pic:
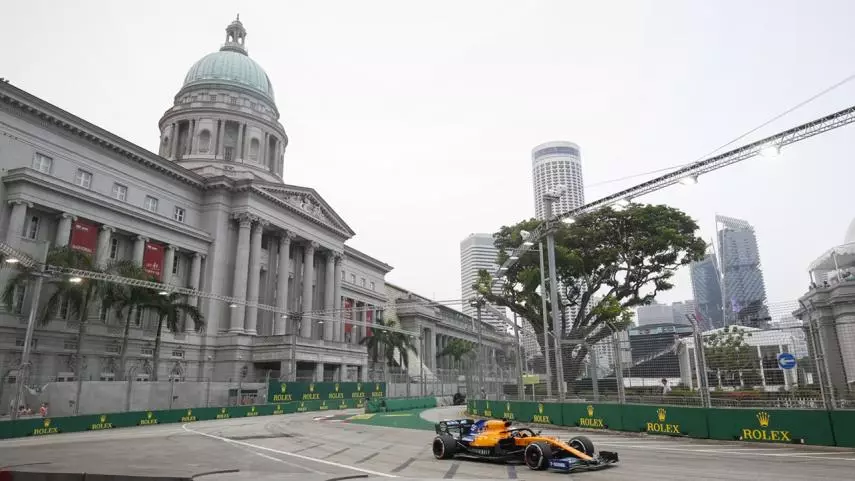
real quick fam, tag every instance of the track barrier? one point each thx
(816, 427)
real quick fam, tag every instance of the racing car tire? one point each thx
(537, 456)
(582, 443)
(444, 446)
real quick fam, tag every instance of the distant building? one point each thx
(744, 287)
(665, 314)
(557, 164)
(706, 288)
(477, 252)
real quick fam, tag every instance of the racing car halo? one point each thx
(495, 440)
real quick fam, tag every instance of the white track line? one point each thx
(286, 453)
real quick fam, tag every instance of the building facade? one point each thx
(209, 211)
(554, 165)
(706, 288)
(744, 292)
(477, 252)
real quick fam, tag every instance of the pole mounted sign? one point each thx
(786, 360)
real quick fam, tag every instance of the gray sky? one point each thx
(415, 120)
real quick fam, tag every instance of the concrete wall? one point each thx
(104, 397)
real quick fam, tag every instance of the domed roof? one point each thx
(850, 233)
(230, 68)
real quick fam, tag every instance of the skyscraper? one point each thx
(744, 293)
(556, 164)
(706, 288)
(477, 252)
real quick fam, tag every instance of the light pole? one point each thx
(545, 327)
(519, 359)
(24, 370)
(478, 303)
(548, 199)
(296, 323)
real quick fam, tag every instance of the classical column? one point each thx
(103, 250)
(63, 232)
(308, 280)
(254, 277)
(337, 299)
(239, 146)
(168, 264)
(245, 142)
(173, 151)
(139, 249)
(432, 349)
(280, 322)
(221, 140)
(262, 151)
(241, 271)
(195, 275)
(330, 327)
(17, 221)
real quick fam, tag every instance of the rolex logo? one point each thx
(508, 407)
(763, 418)
(590, 411)
(253, 409)
(189, 412)
(488, 404)
(336, 387)
(222, 410)
(283, 387)
(149, 415)
(660, 413)
(377, 387)
(359, 386)
(103, 418)
(540, 408)
(311, 388)
(47, 423)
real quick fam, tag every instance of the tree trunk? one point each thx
(123, 359)
(78, 357)
(156, 358)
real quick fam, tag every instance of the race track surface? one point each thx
(300, 447)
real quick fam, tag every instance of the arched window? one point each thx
(204, 142)
(254, 145)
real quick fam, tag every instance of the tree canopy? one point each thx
(607, 262)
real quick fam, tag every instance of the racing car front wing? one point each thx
(603, 460)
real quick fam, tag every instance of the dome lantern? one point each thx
(235, 37)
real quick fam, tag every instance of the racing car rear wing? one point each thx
(454, 426)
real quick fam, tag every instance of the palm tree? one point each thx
(170, 308)
(458, 349)
(123, 299)
(403, 343)
(79, 294)
(378, 343)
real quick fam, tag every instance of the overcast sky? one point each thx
(416, 120)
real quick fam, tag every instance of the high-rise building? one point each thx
(477, 252)
(706, 288)
(556, 164)
(744, 293)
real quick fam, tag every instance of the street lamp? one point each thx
(478, 303)
(296, 323)
(23, 371)
(548, 199)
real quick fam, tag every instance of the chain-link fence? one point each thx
(778, 361)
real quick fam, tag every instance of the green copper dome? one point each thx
(230, 68)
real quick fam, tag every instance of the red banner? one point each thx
(153, 259)
(348, 315)
(369, 319)
(84, 237)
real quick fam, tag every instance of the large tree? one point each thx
(169, 308)
(731, 358)
(607, 262)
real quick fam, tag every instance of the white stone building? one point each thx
(209, 211)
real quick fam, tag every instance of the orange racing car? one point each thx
(495, 440)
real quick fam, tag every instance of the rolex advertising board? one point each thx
(666, 420)
(281, 391)
(771, 425)
(593, 416)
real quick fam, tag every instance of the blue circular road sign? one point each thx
(786, 360)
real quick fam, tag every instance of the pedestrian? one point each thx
(43, 410)
(665, 388)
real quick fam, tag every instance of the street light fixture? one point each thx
(12, 260)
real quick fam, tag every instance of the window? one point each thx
(373, 287)
(120, 192)
(176, 262)
(114, 248)
(362, 281)
(83, 179)
(353, 278)
(102, 314)
(43, 163)
(213, 98)
(32, 232)
(227, 153)
(235, 101)
(179, 214)
(343, 275)
(150, 204)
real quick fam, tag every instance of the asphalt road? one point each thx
(302, 448)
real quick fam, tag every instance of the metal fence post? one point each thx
(621, 389)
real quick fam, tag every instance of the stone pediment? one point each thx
(308, 203)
